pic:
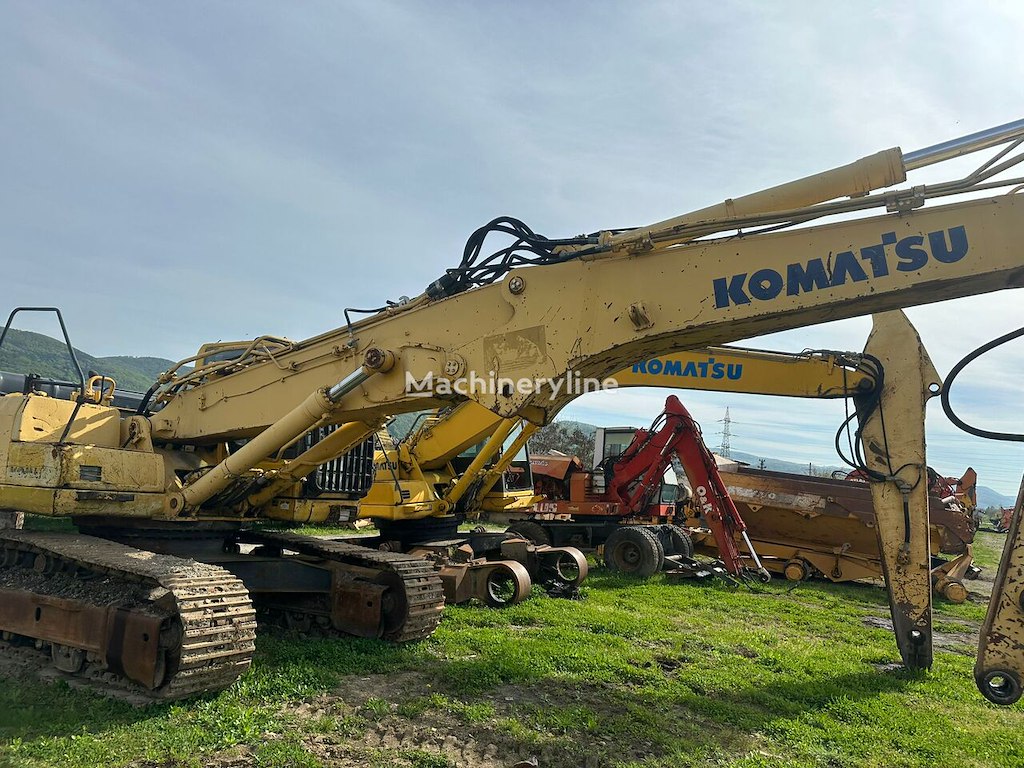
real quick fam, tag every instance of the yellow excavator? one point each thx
(798, 526)
(419, 474)
(157, 592)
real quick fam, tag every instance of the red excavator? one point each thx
(610, 505)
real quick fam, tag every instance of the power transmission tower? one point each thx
(725, 449)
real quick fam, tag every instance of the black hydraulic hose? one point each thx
(1008, 436)
(865, 406)
(141, 410)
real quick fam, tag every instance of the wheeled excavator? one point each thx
(158, 591)
(629, 481)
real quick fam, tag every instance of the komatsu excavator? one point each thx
(157, 592)
(419, 473)
(801, 530)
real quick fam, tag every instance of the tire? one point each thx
(634, 550)
(411, 532)
(675, 540)
(531, 531)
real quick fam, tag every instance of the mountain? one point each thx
(793, 467)
(28, 352)
(989, 498)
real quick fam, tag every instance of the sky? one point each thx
(191, 172)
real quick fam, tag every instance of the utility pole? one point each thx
(725, 449)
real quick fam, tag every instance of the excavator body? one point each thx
(189, 475)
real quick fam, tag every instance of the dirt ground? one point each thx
(431, 739)
(440, 733)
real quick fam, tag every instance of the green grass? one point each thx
(988, 548)
(635, 674)
(369, 530)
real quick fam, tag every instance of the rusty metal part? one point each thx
(557, 569)
(947, 579)
(826, 524)
(999, 671)
(124, 622)
(127, 640)
(496, 568)
(498, 584)
(389, 595)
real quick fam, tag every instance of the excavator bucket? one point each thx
(892, 435)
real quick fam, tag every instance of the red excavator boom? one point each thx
(636, 474)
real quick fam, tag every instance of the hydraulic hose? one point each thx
(1007, 436)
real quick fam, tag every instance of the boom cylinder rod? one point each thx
(757, 560)
(293, 424)
(346, 385)
(973, 142)
(877, 171)
(491, 447)
(335, 445)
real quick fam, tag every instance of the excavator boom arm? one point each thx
(627, 308)
(813, 374)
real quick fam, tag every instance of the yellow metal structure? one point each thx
(627, 307)
(415, 478)
(999, 671)
(705, 278)
(816, 374)
(894, 449)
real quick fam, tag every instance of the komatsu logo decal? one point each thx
(698, 369)
(870, 262)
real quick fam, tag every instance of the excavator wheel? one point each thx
(675, 540)
(531, 531)
(634, 550)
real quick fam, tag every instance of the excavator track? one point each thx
(416, 595)
(104, 598)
